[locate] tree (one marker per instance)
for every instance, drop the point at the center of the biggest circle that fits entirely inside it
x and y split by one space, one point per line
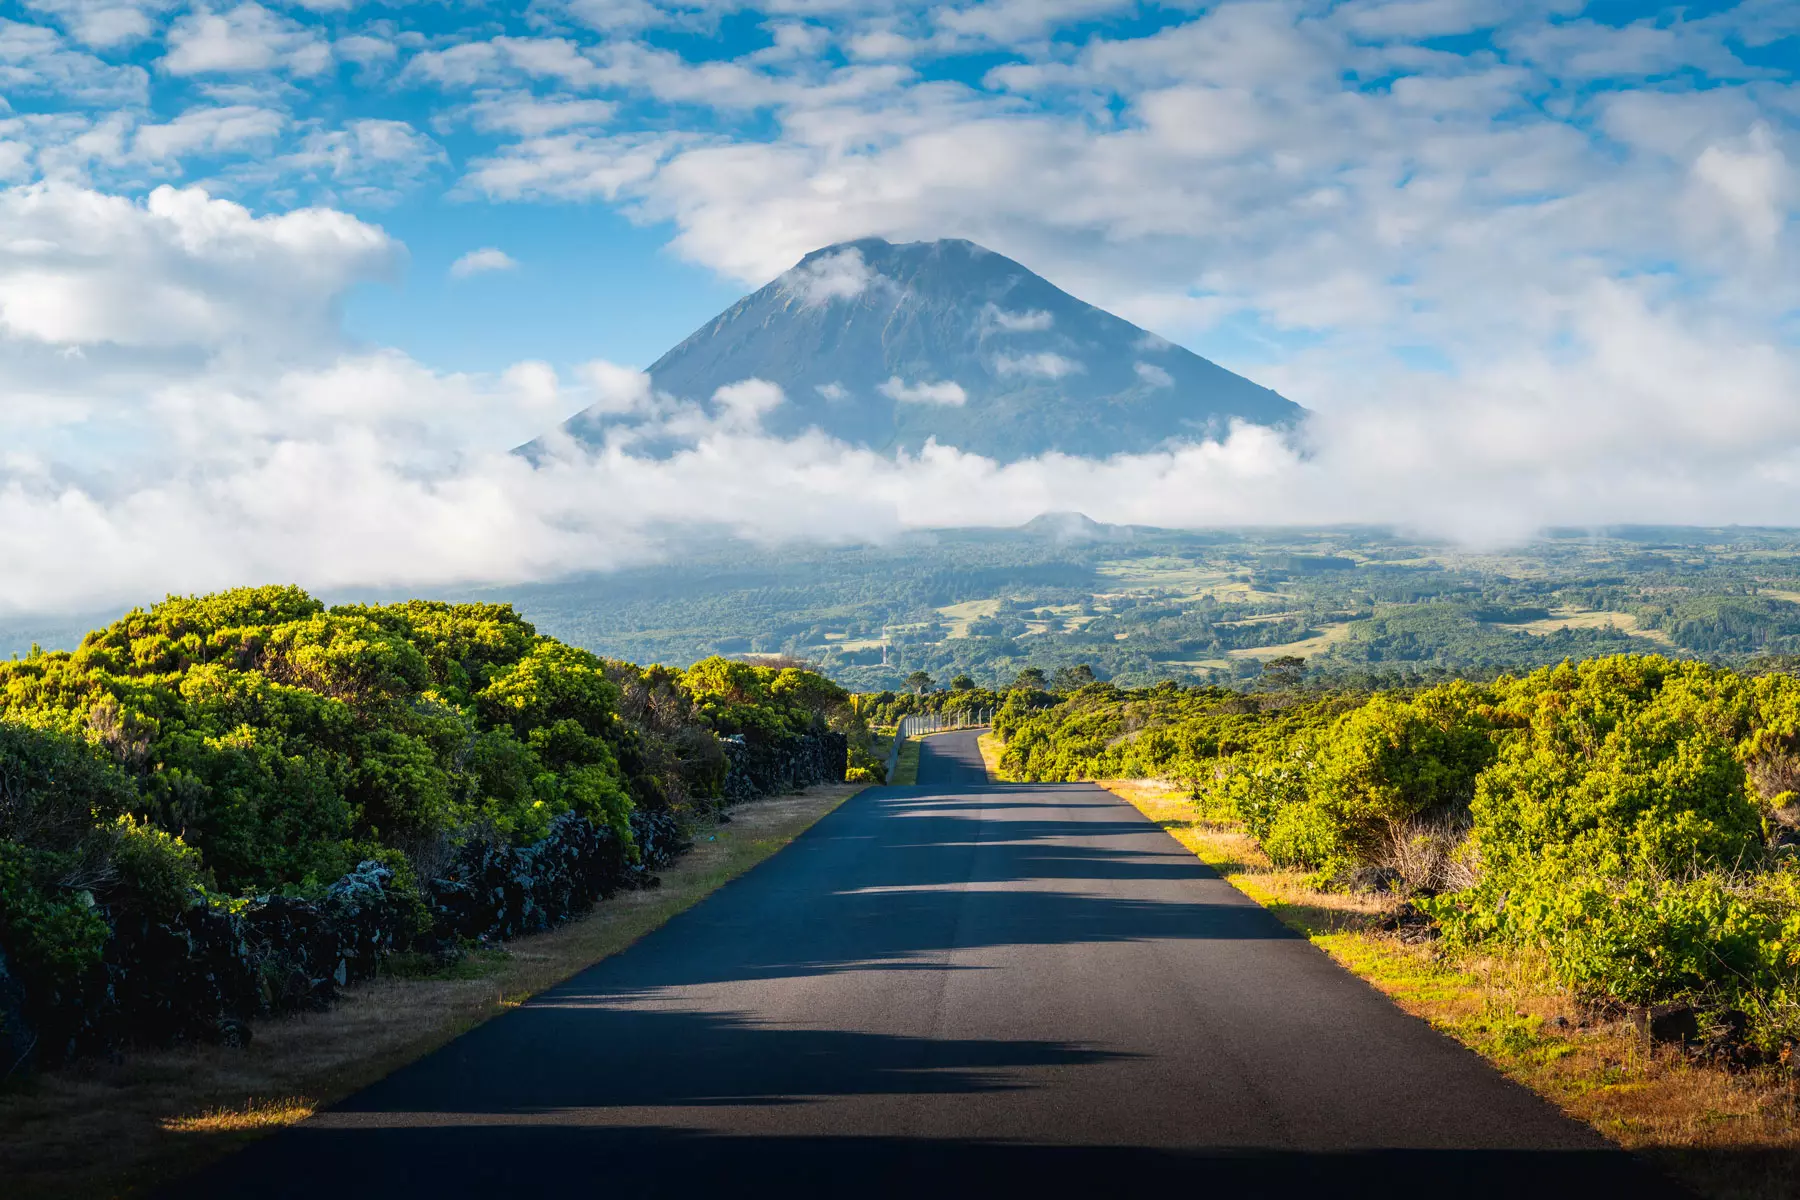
962 683
1032 677
1284 672
1069 679
919 682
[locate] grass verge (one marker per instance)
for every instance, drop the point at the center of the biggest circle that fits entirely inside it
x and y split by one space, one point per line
1730 1135
121 1128
991 750
906 770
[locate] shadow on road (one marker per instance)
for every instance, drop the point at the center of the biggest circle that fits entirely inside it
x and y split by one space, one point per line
578 1054
568 1160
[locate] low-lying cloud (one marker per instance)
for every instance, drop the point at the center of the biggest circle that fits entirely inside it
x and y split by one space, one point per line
377 471
945 392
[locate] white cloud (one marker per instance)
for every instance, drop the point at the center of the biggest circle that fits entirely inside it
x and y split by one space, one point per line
243 39
834 391
1153 375
522 113
1034 321
1600 284
179 269
946 392
743 404
475 262
34 60
1755 182
570 166
371 160
105 24
213 131
840 276
1043 366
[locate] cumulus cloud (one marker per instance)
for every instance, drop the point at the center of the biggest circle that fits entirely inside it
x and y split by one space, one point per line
243 39
1153 375
475 262
947 392
1044 365
1511 296
34 60
179 269
105 24
1033 321
840 276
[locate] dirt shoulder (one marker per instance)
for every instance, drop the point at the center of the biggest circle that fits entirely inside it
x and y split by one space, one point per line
1723 1133
119 1128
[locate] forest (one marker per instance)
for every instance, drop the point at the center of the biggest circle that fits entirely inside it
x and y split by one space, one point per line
228 805
1634 819
1363 607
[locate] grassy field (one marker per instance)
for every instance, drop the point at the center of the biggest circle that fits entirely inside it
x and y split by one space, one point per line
123 1128
1306 648
1570 618
1732 1136
959 615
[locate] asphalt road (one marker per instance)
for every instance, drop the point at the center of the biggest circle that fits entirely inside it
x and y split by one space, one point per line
951 989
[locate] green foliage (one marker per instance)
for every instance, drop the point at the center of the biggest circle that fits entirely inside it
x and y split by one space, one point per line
1614 810
259 741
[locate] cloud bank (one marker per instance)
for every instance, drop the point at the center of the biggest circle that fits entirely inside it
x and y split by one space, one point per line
1547 277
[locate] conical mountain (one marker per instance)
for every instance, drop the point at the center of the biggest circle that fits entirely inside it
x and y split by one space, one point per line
886 346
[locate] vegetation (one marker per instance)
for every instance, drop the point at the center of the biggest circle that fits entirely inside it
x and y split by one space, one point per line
255 742
1360 607
1629 818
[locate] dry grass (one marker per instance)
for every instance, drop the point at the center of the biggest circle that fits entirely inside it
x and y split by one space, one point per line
991 749
1725 1134
120 1128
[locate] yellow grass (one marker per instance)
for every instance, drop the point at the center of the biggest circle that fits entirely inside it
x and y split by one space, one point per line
991 749
1724 1134
961 614
1575 618
1305 648
99 1129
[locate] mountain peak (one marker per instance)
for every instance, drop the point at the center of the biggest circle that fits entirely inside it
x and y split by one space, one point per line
891 345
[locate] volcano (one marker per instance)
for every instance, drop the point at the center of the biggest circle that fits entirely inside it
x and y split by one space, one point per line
886 346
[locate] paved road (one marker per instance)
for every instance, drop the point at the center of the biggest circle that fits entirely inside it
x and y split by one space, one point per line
951 989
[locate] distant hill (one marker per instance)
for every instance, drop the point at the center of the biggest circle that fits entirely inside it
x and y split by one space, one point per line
886 346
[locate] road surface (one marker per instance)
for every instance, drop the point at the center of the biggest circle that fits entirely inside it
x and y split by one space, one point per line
956 988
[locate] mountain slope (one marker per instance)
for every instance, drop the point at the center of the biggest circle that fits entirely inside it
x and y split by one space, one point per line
886 346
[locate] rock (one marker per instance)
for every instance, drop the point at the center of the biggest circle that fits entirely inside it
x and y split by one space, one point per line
1727 1038
1411 923
1668 1024
232 1033
18 1041
1367 879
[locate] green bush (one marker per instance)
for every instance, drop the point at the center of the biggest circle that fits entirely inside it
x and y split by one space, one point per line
1617 810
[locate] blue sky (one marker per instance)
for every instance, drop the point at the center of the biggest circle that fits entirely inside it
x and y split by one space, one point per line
1531 261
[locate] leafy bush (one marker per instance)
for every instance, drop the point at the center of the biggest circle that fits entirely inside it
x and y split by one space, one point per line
1617 814
348 780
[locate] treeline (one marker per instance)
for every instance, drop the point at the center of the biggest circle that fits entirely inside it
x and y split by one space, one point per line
300 791
1632 818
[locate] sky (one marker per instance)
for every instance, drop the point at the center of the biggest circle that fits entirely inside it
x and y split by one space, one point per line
281 285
